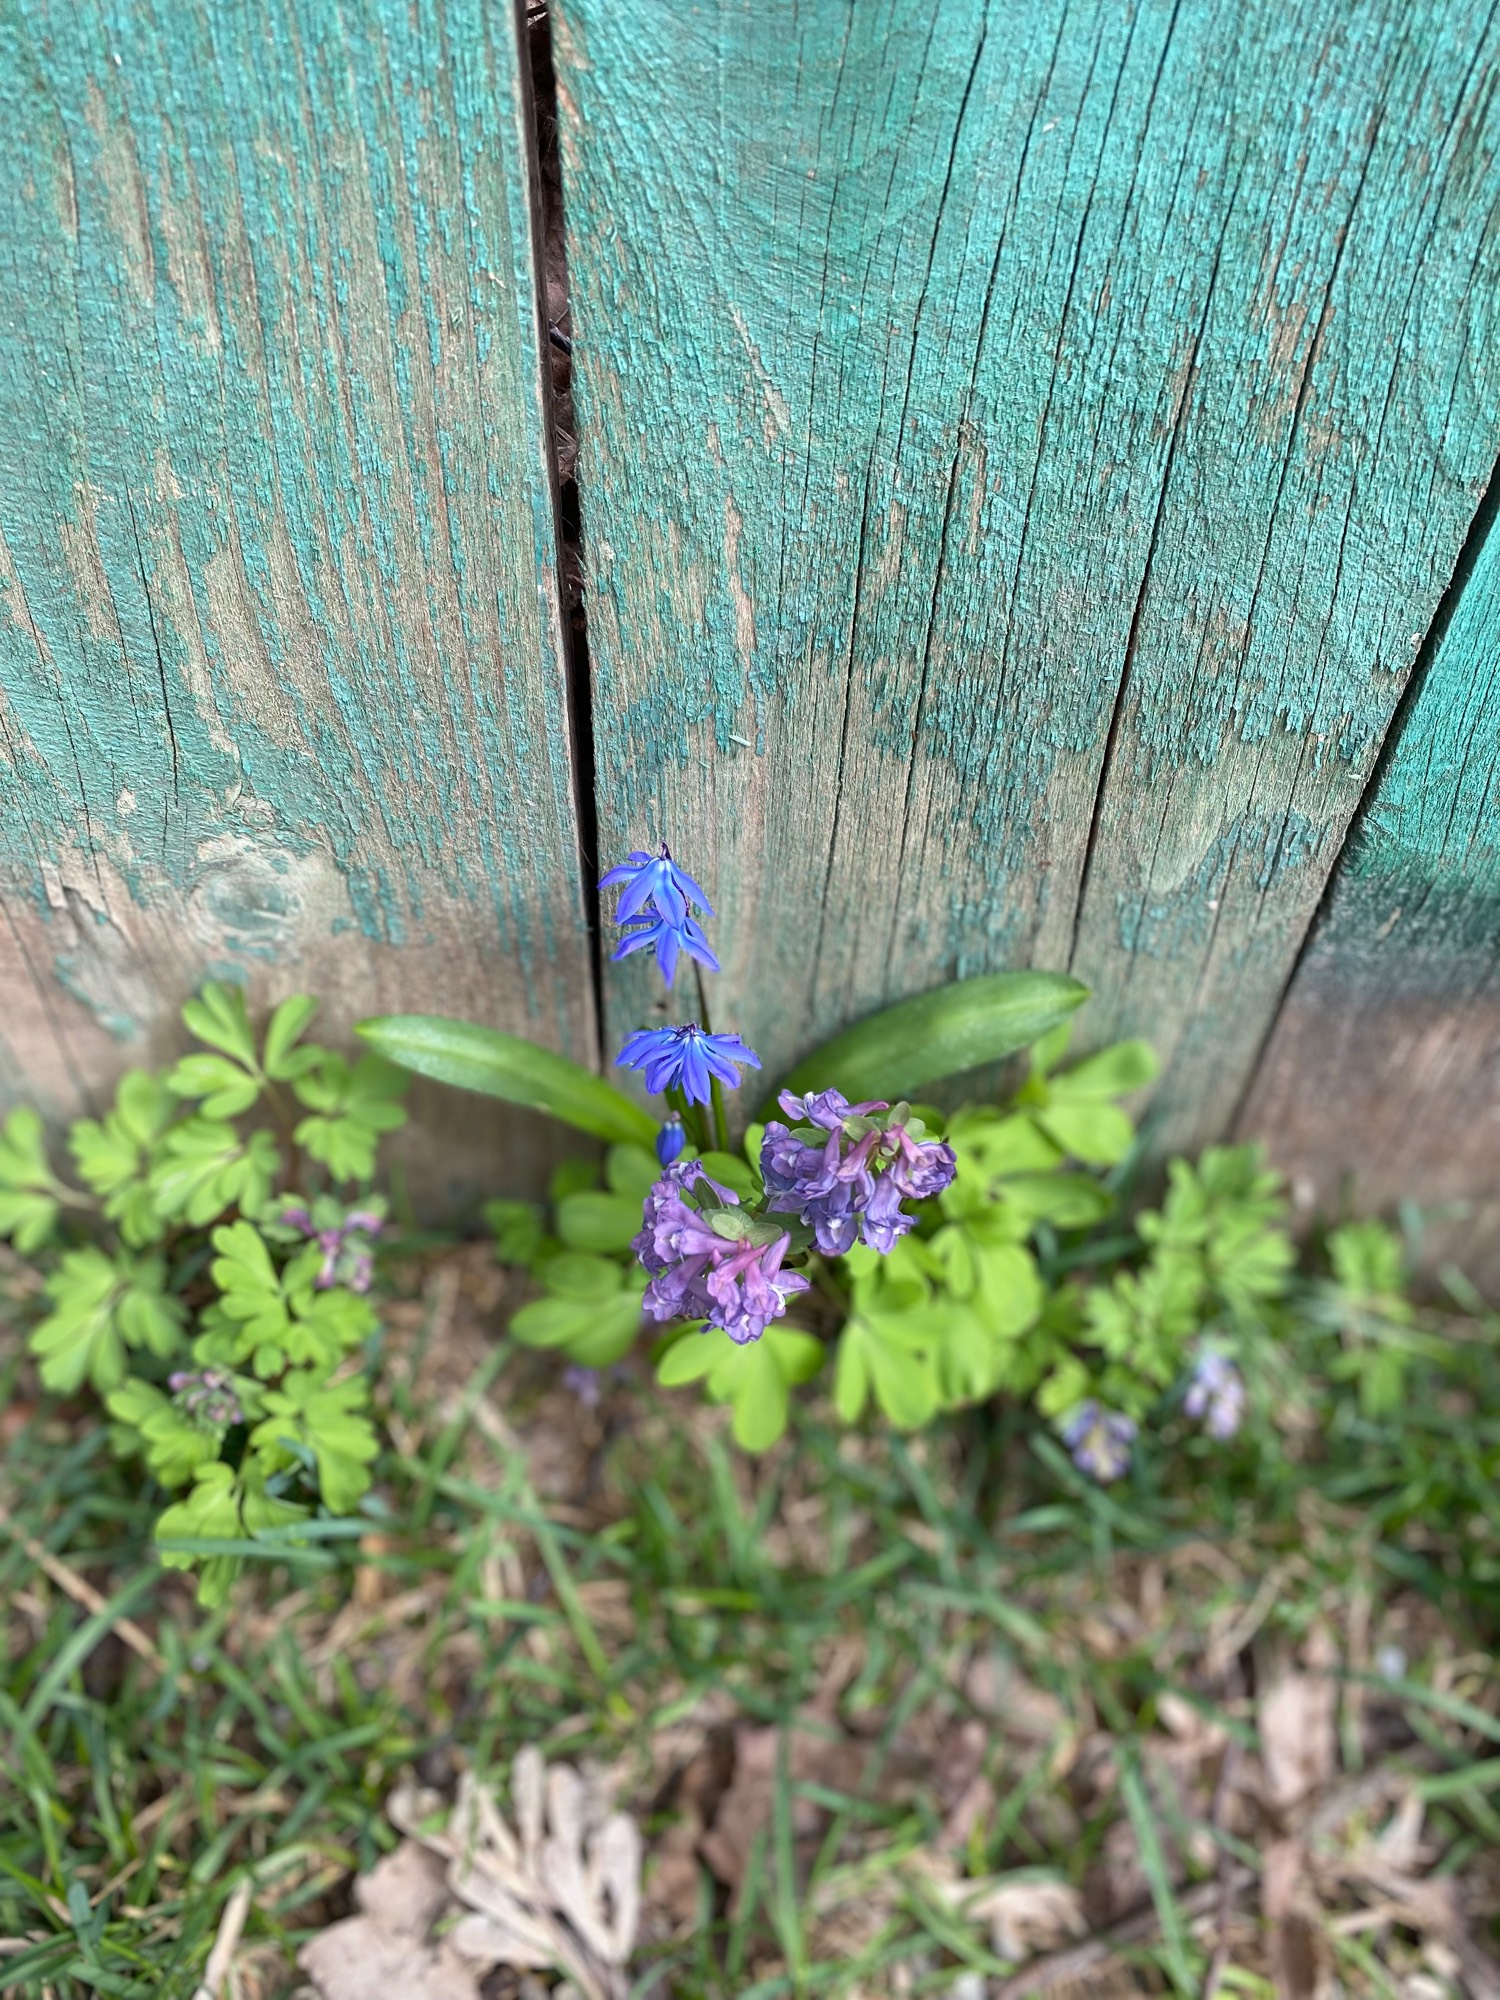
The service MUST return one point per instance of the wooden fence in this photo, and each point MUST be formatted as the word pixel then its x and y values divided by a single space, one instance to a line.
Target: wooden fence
pixel 1032 464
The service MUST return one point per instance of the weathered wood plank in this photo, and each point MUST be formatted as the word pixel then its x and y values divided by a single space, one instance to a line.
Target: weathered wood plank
pixel 284 694
pixel 1382 1079
pixel 1019 446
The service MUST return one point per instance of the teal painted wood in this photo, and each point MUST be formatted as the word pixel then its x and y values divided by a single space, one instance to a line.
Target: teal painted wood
pixel 1382 1080
pixel 1020 447
pixel 279 625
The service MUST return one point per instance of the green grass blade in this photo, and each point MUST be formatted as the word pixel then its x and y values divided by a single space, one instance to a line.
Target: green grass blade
pixel 1154 1864
pixel 76 1649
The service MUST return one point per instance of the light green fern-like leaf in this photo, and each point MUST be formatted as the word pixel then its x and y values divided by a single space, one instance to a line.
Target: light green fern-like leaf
pixel 223 1506
pixel 171 1443
pixel 205 1167
pixel 326 1419
pixel 102 1306
pixel 28 1189
pixel 353 1105
pixel 115 1156
pixel 755 1379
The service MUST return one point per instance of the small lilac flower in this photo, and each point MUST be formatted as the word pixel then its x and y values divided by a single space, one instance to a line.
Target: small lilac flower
pixel 1216 1395
pixel 1099 1440
pixel 749 1288
pixel 655 878
pixel 848 1188
pixel 670 1140
pixel 885 1221
pixel 584 1382
pixel 687 1058
pixel 207 1395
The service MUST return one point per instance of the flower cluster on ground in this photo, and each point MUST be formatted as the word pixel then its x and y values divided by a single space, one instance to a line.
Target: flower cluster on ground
pixel 345 1237
pixel 837 1176
pixel 832 1177
pixel 844 1169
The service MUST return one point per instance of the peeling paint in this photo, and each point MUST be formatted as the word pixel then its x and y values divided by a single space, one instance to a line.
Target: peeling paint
pixel 279 633
pixel 1134 388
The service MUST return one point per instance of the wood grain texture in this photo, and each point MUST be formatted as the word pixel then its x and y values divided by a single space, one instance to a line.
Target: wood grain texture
pixel 279 632
pixel 1381 1081
pixel 1021 447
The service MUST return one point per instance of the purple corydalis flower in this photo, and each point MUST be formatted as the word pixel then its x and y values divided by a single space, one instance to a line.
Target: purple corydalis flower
pixel 207 1395
pixel 849 1187
pixel 734 1282
pixel 346 1260
pixel 686 1058
pixel 1099 1440
pixel 1216 1395
pixel 738 1286
pixel 669 1227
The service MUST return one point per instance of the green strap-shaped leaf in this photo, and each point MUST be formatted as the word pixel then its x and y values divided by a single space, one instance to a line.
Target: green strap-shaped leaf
pixel 919 1041
pixel 499 1065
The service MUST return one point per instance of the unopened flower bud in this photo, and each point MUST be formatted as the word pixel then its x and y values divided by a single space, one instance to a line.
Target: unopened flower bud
pixel 670 1140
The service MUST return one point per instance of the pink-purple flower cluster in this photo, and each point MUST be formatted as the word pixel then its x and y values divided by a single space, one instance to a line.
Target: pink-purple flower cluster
pixel 206 1395
pixel 844 1169
pixel 712 1263
pixel 347 1256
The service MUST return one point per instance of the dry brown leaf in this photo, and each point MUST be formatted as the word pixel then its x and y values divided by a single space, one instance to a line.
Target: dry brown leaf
pixel 561 1891
pixel 405 1891
pixel 1025 1915
pixel 1296 1946
pixel 387 1949
pixel 818 1753
pixel 1298 1733
pixel 1433 1907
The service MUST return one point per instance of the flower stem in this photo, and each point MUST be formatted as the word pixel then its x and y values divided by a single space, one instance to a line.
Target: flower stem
pixel 824 1281
pixel 703 1020
pixel 721 1121
pixel 694 1119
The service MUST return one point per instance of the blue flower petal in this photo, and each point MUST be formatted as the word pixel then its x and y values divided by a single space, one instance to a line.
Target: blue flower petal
pixel 666 894
pixel 689 890
pixel 668 944
pixel 695 1079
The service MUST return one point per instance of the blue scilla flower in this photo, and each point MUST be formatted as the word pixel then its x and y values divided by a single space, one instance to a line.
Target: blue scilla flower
pixel 686 1057
pixel 655 911
pixel 655 878
pixel 670 1140
pixel 668 941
